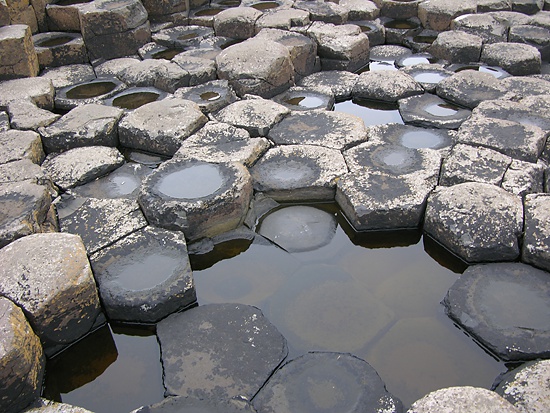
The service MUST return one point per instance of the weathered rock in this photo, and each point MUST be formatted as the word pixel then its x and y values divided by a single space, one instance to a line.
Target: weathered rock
pixel 457 46
pixel 536 36
pixel 145 276
pixel 21 359
pixel 247 74
pixel 161 74
pixel 478 222
pixel 281 18
pixel 525 387
pixel 93 91
pixel 428 75
pixel 374 30
pixel 161 10
pixel 334 130
pixel 200 70
pixel 386 85
pixel 523 86
pixel 516 58
pixel 47 406
pixel 360 10
pixel 339 81
pixel 201 199
pixel 16 145
pixel 517 329
pixel 210 96
pixel 25 115
pixel 536 248
pixel 81 165
pixel 100 222
pixel 181 37
pixel 183 403
pixel 86 125
pixel 461 399
pixel 511 18
pixel 237 22
pixel 468 88
pixel 438 14
pixel 397 30
pixel 23 170
pixel 17 55
pixel 113 67
pixel 431 111
pixel 160 127
pixel 69 75
pixel 55 289
pixel 299 98
pixel 398 9
pixel 527 6
pixel 257 116
pixel 4 122
pixel 252 349
pixel 324 12
pixel 524 178
pixel 483 25
pixel 38 90
pixel 388 53
pixel 484 6
pixel 413 137
pixel 520 112
pixel 59 49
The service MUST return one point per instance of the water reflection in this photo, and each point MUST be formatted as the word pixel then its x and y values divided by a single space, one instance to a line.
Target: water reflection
pixel 372 113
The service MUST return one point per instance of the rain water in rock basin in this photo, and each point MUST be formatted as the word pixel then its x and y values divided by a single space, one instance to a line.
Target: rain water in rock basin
pixel 193 182
pixel 135 100
pixel 422 139
pixel 90 90
pixel 55 41
pixel 441 109
pixel 372 113
pixel 150 270
pixel 309 102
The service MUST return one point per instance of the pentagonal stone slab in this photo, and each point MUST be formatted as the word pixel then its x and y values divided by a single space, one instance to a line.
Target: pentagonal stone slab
pixel 184 403
pixel 16 145
pixel 527 387
pixel 145 276
pixel 524 178
pixel 210 96
pixel 100 222
pixel 518 59
pixel 321 381
pixel 299 172
pixel 160 127
pixel 21 359
pixel 462 399
pixel 339 81
pixel 334 130
pixel 468 88
pixel 81 165
pixel 505 306
pixel 25 208
pixel 55 289
pixel 257 116
pixel 386 85
pixel 230 350
pixel 536 245
pixel 478 222
pixel 201 199
pixel 523 142
pixel 87 125
pixel 431 111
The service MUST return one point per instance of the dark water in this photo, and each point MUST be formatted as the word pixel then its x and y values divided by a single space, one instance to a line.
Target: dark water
pixel 135 100
pixel 55 41
pixel 372 113
pixel 90 90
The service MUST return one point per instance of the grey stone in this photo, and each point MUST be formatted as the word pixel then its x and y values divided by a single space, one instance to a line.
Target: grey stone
pixel 63 17
pixel 462 399
pixel 4 122
pixel 160 127
pixel 182 37
pixel 339 81
pixel 81 165
pixel 247 74
pixel 468 88
pixel 431 111
pixel 256 115
pixel 398 9
pixel 334 130
pixel 18 57
pixel 527 6
pixel 523 86
pixel 541 19
pixel 516 330
pixel 524 178
pixel 299 172
pixel 55 288
pixel 200 70
pixel 113 67
pixel 22 170
pixel 374 30
pixel 252 349
pixel 523 142
pixel 182 403
pixel 201 199
pixel 396 33
pixel 55 49
pixel 428 75
pixel 161 74
pixel 160 10
pixel 99 222
pixel 413 137
pixel 485 6
pixel 38 90
pixel 25 209
pixel 283 19
pixel 16 145
pixel 478 222
pixel 516 58
pixel 236 22
pixel 111 16
pixel 86 125
pixel 21 359
pixel 210 96
pixel 438 14
pixel 457 46
pixel 48 406
pixel 145 276
pixel 526 387
pixel 536 36
pixel 317 380
pixel 325 12
pixel 511 18
pixel 25 115
pixel 520 112
pixel 93 91
pixel 466 163
pixel 299 98
pixel 386 85
pixel 536 248
pixel 389 53
pixel 69 75
pixel 483 25
pixel 112 45
pixel 360 10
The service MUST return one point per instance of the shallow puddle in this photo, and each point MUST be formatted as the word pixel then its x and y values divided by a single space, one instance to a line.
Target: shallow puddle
pixel 90 90
pixel 309 102
pixel 149 270
pixel 372 113
pixel 421 139
pixel 135 100
pixel 55 41
pixel 441 109
pixel 429 77
pixel 193 182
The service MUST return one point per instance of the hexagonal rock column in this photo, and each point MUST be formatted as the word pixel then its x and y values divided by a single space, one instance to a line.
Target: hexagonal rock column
pixel 462 399
pixel 505 307
pixel 485 26
pixel 431 111
pixel 236 22
pixel 468 88
pixel 16 145
pixel 341 82
pixel 478 222
pixel 299 173
pixel 114 28
pixel 160 73
pixel 145 276
pixel 230 350
pixel 457 47
pixel 321 381
pixel 438 14
pixel 21 359
pixel 386 86
pixel 59 49
pixel 518 59
pixel 533 35
pixel 210 96
pixel 160 127
pixel 55 288
pixel 265 77
pixel 183 403
pixel 17 55
pixel 536 243
pixel 527 387
pixel 201 199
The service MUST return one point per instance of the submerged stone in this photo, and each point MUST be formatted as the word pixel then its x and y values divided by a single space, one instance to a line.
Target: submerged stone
pixel 192 404
pixel 326 382
pixel 536 242
pixel 230 350
pixel 505 307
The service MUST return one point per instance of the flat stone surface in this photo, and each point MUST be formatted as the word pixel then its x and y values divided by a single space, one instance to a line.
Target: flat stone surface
pixel 526 387
pixel 524 178
pixel 325 12
pixel 462 399
pixel 16 145
pixel 200 70
pixel 25 115
pixel 438 14
pixel 86 125
pixel 282 18
pixel 413 137
pixel 113 67
pixel 184 403
pixel 536 36
pixel 81 165
pixel 457 46
pixel 162 74
pixel 299 172
pixel 38 90
pixel 431 111
pixel 162 126
pixel 386 85
pixel 468 88
pixel 55 289
pixel 524 86
pixel 145 276
pixel 47 406
pixel 339 81
pixel 23 170
pixel 484 25
pixel 478 222
pixel 321 381
pixel 256 115
pixel 515 329
pixel 334 130
pixel 527 113
pixel 427 74
pixel 21 359
pixel 231 350
pixel 518 59
pixel 210 96
pixel 237 23
pixel 536 246
pixel 69 75
pixel 100 222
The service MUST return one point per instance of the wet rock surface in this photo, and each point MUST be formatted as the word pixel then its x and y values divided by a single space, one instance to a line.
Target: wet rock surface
pixel 182 403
